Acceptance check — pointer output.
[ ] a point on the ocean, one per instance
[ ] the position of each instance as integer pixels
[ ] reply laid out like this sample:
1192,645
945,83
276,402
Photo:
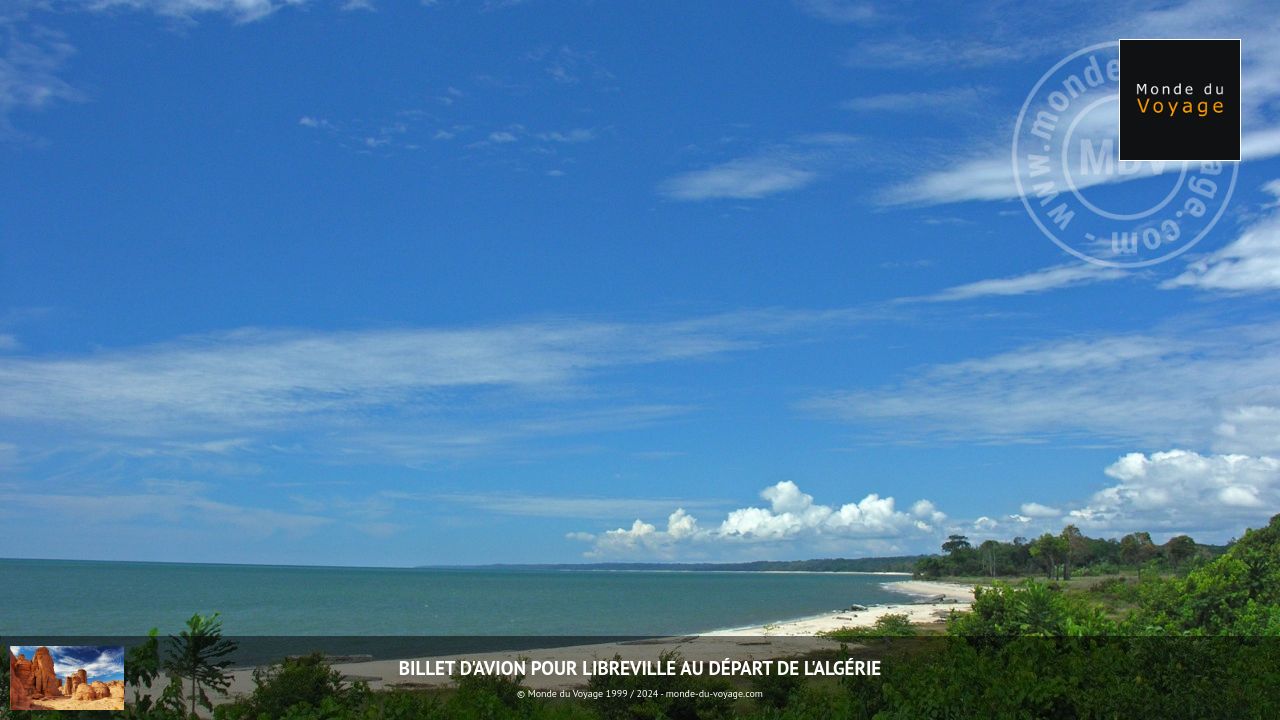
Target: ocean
58,597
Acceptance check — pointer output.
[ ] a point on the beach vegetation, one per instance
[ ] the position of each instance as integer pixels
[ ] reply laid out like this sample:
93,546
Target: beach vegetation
198,657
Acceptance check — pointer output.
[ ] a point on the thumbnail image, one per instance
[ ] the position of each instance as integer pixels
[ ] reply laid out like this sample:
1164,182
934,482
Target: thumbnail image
88,677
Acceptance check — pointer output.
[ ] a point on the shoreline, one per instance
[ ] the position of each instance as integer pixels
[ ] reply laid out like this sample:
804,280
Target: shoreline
784,638
953,596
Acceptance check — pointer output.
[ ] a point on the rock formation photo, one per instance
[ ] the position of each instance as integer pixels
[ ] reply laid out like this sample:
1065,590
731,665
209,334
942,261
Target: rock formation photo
34,683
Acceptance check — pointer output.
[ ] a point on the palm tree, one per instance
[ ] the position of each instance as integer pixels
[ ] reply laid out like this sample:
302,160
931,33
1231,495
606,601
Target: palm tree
197,654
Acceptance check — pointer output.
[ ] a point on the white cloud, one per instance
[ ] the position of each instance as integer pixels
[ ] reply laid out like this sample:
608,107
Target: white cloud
108,663
782,168
1050,278
30,59
1036,510
1249,263
576,135
502,136
416,394
1184,491
239,10
988,175
1201,386
319,123
984,524
791,515
744,178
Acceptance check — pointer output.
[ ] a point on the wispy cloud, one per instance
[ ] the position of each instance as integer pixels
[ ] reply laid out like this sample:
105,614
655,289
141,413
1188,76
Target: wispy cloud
31,57
1248,264
565,65
238,10
743,178
420,383
988,174
915,52
1216,387
838,11
167,503
778,169
952,100
99,663
1038,281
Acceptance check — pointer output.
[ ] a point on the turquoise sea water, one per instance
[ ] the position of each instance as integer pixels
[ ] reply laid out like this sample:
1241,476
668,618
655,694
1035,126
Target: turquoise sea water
117,598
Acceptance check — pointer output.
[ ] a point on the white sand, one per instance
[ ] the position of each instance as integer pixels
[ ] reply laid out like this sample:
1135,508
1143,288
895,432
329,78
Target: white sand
955,597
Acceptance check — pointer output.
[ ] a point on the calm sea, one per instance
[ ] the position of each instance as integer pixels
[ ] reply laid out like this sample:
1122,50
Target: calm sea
118,598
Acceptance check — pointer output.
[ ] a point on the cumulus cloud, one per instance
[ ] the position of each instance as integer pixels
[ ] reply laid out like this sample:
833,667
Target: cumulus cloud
791,514
984,524
1184,491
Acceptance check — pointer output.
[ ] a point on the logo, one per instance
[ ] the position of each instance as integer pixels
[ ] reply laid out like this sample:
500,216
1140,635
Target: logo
1107,211
1180,99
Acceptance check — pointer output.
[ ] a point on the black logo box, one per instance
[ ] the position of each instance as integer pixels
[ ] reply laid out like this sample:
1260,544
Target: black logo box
1180,64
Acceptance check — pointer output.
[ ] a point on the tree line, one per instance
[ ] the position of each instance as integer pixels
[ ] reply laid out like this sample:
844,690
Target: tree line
1059,556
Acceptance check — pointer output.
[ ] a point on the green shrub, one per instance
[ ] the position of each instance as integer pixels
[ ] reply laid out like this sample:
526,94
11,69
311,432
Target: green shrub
890,625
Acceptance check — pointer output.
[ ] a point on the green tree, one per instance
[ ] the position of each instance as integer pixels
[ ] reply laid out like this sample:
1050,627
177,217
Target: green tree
1136,548
1073,547
1048,549
988,551
198,655
955,545
929,567
1180,548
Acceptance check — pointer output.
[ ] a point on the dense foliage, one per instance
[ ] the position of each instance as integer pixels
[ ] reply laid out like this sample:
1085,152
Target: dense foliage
1062,555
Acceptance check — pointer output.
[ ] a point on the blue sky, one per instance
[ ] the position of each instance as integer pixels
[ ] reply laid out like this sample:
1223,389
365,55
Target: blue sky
460,282
101,663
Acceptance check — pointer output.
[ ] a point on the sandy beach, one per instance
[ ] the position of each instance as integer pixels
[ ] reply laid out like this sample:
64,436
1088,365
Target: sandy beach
947,597
934,602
